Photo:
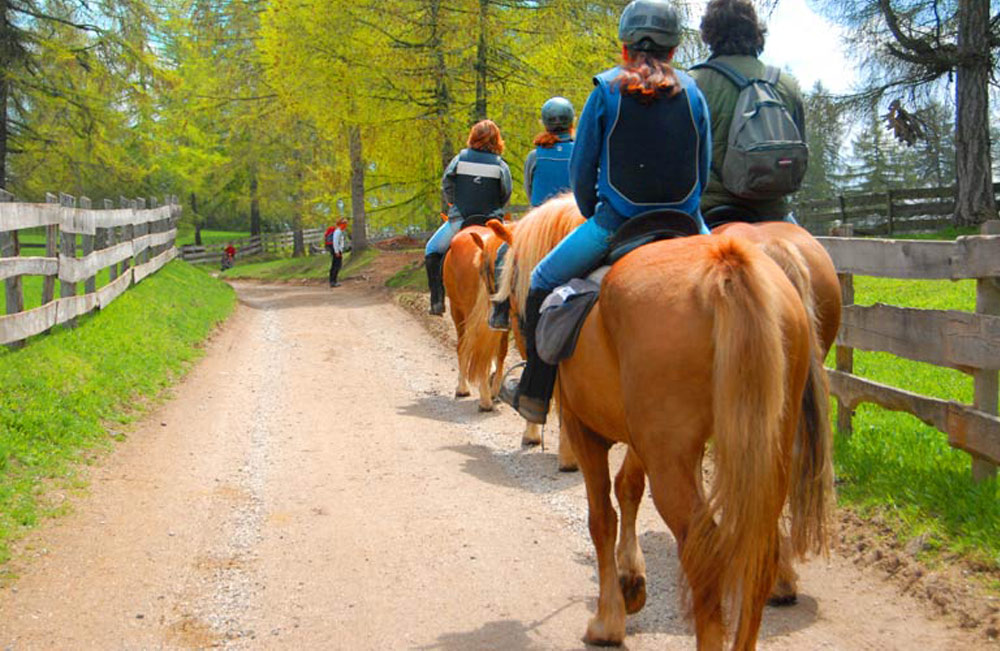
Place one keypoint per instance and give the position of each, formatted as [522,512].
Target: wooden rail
[249,246]
[131,241]
[883,213]
[966,341]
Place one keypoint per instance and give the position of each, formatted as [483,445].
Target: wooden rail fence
[883,213]
[131,241]
[250,246]
[966,341]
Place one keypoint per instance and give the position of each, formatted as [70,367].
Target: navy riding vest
[551,175]
[478,190]
[651,152]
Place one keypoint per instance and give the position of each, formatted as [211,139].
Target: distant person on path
[336,248]
[546,169]
[229,256]
[735,36]
[476,184]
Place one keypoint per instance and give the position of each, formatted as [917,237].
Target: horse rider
[735,37]
[546,169]
[476,185]
[642,144]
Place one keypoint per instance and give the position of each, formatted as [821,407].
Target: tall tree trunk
[359,235]
[974,201]
[442,97]
[481,62]
[197,219]
[6,61]
[254,205]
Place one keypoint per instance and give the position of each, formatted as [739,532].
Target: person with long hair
[735,37]
[643,143]
[546,169]
[476,185]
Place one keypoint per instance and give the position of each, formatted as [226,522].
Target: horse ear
[501,230]
[478,240]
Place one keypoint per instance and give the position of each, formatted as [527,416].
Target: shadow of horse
[524,469]
[501,634]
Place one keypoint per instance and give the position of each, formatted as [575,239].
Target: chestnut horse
[695,338]
[568,218]
[479,348]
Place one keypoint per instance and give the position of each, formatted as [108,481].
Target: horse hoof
[568,467]
[634,591]
[598,635]
[529,443]
[462,394]
[485,408]
[779,601]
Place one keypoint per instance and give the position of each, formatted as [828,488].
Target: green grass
[315,267]
[903,470]
[185,235]
[413,278]
[63,391]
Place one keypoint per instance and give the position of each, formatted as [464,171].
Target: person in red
[335,245]
[229,257]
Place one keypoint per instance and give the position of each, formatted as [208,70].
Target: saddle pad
[562,317]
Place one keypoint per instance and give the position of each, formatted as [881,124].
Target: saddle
[477,220]
[567,307]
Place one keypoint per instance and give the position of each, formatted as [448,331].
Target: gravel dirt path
[312,484]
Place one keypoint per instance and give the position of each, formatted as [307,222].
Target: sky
[804,42]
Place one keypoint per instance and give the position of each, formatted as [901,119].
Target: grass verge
[313,267]
[63,390]
[185,235]
[413,277]
[904,471]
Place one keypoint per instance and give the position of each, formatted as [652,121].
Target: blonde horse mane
[535,235]
[479,346]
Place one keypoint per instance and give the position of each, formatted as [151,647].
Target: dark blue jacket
[632,157]
[546,170]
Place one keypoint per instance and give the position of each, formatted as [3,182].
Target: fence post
[88,243]
[110,239]
[845,355]
[128,231]
[13,288]
[986,386]
[68,250]
[51,251]
[892,212]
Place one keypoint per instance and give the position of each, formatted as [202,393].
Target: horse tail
[479,345]
[731,551]
[811,490]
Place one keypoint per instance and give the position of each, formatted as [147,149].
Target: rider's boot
[433,264]
[500,315]
[531,395]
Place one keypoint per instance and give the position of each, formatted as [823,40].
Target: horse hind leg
[630,483]
[675,489]
[566,456]
[462,388]
[532,435]
[608,626]
[785,590]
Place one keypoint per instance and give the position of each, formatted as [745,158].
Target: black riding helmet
[650,25]
[557,115]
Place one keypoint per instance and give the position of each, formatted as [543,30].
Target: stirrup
[509,387]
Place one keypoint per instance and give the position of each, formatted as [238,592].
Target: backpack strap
[771,75]
[732,75]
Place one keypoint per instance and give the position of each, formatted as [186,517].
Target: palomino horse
[569,218]
[694,338]
[479,348]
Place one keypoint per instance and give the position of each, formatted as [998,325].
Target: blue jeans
[579,252]
[441,239]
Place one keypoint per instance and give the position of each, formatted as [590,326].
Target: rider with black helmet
[643,143]
[546,170]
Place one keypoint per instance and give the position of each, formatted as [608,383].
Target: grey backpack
[766,157]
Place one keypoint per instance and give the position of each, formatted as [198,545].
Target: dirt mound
[398,243]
